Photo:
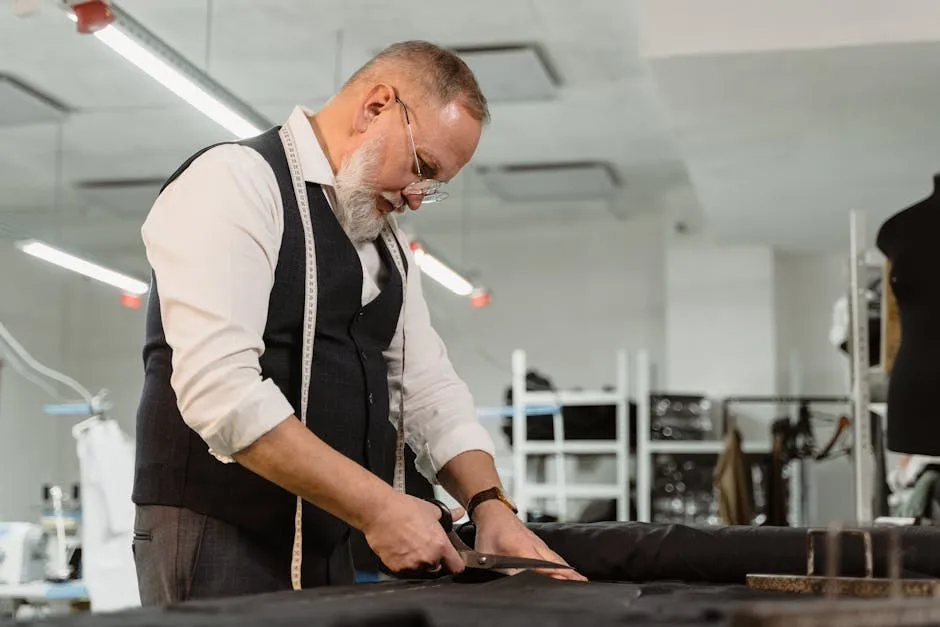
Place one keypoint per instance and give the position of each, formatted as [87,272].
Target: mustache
[397,201]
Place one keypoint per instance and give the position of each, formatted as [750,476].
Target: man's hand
[407,535]
[499,531]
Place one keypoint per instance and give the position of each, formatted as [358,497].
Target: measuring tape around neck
[309,335]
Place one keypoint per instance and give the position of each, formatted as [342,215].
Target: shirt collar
[313,161]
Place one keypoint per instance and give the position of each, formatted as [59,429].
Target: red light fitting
[93,15]
[131,301]
[481,297]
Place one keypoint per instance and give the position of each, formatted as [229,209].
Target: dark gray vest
[348,395]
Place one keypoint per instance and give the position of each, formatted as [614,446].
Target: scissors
[484,561]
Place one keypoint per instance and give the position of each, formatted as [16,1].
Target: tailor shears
[485,561]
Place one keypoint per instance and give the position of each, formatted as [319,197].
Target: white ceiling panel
[513,74]
[557,181]
[279,53]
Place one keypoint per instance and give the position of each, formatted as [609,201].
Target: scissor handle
[447,519]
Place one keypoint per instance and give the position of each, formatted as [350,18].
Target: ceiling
[788,116]
[279,53]
[759,139]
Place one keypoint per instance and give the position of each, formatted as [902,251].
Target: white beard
[356,195]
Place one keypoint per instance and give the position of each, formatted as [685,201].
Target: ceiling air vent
[121,196]
[21,104]
[551,181]
[511,72]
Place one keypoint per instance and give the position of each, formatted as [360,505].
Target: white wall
[806,287]
[720,325]
[570,298]
[31,310]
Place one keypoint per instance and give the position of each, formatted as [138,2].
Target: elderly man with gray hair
[286,326]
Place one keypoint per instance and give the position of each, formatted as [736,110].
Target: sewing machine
[22,553]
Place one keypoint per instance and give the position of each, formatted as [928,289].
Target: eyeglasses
[428,189]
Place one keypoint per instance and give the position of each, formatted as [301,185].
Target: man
[286,324]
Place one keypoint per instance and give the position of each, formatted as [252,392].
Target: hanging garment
[106,461]
[732,482]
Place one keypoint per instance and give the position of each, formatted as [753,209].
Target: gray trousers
[181,555]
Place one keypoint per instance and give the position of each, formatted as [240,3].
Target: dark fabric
[348,389]
[655,557]
[907,240]
[182,555]
[579,422]
[525,599]
[661,552]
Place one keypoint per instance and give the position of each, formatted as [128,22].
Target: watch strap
[489,494]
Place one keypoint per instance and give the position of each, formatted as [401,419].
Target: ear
[376,99]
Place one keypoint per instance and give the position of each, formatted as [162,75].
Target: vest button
[371,398]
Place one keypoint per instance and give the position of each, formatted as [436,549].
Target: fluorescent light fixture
[91,270]
[436,269]
[170,77]
[66,409]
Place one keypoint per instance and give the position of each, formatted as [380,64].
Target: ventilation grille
[121,196]
[21,104]
[511,73]
[557,181]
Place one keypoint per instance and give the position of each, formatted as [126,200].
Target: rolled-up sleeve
[212,239]
[440,416]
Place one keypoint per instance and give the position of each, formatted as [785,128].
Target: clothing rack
[727,420]
[522,449]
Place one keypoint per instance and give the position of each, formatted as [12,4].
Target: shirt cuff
[438,451]
[263,410]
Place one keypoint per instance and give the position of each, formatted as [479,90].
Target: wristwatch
[488,495]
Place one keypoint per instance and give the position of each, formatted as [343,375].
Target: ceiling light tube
[437,270]
[132,41]
[91,270]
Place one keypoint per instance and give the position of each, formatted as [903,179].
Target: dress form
[909,240]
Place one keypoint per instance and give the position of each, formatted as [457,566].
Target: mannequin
[909,241]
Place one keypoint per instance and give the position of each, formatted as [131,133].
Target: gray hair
[441,72]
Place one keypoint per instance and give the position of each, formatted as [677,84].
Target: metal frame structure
[646,447]
[522,449]
[862,451]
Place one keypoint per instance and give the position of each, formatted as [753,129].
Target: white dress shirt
[213,238]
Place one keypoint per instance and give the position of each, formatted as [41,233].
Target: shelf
[572,447]
[571,398]
[704,446]
[576,490]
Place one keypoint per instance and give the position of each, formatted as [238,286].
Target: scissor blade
[475,559]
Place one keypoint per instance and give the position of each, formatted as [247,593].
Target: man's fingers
[452,559]
[457,513]
[559,573]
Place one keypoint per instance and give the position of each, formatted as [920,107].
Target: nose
[414,200]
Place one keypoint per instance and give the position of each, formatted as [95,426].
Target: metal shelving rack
[863,455]
[646,447]
[561,490]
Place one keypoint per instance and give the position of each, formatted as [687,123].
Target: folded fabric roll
[642,552]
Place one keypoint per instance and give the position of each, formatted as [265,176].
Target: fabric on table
[615,552]
[639,552]
[525,599]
